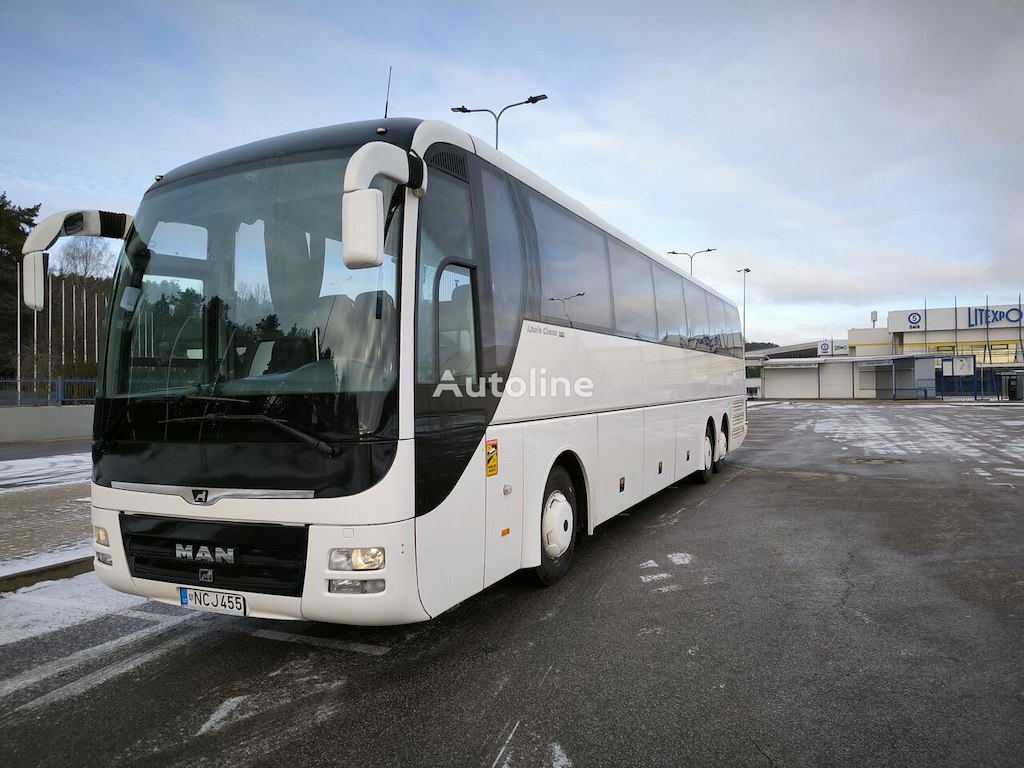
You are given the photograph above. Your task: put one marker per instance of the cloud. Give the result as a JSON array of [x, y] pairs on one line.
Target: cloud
[[855, 155]]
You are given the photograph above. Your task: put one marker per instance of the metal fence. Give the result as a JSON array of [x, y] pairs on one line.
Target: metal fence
[[60, 391]]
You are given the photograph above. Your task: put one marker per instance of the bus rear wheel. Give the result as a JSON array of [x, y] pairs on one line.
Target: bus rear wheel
[[557, 527], [708, 451], [723, 442]]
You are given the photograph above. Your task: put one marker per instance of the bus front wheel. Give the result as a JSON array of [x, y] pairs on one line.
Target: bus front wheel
[[557, 527]]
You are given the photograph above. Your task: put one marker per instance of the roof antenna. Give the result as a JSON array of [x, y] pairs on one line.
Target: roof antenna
[[387, 97]]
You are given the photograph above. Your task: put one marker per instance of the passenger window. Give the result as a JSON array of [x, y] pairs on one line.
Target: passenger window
[[697, 316], [719, 326], [633, 292], [671, 309], [574, 268], [456, 323], [506, 259], [446, 234]]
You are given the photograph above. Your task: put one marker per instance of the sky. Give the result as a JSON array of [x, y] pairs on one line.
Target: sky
[[854, 155]]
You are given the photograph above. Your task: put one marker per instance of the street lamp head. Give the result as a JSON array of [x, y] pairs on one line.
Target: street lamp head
[[535, 99], [745, 269], [462, 109]]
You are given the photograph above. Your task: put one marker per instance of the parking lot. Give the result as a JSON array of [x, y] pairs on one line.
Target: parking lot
[[849, 591]]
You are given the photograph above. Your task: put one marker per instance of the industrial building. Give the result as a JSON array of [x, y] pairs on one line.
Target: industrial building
[[974, 351]]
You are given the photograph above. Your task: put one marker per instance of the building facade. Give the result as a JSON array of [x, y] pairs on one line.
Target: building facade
[[920, 353], [992, 334]]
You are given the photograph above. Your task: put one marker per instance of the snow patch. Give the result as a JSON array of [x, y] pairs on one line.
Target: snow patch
[[681, 558], [655, 577], [220, 717], [558, 757], [53, 605], [26, 474]]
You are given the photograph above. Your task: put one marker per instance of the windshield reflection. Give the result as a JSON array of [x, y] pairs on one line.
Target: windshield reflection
[[233, 286]]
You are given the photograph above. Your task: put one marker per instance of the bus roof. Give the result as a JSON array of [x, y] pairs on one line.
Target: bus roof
[[401, 131]]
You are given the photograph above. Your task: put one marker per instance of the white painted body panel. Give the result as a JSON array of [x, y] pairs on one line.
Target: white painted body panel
[[503, 546], [625, 374], [450, 541]]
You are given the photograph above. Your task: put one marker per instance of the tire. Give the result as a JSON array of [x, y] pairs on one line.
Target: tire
[[558, 524], [708, 449], [723, 441]]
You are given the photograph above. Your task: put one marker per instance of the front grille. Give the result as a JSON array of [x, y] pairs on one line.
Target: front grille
[[268, 559]]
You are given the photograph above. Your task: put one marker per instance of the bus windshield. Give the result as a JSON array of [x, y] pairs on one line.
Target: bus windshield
[[232, 289]]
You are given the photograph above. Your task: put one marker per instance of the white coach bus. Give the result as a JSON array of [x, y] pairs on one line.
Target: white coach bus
[[357, 374]]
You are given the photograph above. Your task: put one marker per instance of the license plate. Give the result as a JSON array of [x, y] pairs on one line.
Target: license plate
[[215, 602]]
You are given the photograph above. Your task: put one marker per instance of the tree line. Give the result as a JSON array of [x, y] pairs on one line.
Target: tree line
[[63, 339]]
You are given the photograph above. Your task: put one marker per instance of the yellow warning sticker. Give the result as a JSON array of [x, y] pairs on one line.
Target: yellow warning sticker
[[492, 458]]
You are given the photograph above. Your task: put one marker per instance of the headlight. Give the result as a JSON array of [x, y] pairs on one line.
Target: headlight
[[358, 559], [101, 536]]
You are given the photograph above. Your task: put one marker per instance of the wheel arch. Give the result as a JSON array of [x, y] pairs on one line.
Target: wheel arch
[[571, 463]]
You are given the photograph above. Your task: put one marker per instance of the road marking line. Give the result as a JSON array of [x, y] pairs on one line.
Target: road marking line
[[108, 673], [506, 743], [42, 672]]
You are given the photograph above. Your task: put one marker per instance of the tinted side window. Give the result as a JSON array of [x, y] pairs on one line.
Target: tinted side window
[[697, 315], [633, 292], [719, 326], [735, 330], [670, 305], [446, 233], [506, 253], [575, 285]]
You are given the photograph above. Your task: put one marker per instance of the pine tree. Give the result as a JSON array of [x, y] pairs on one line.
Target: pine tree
[[15, 224]]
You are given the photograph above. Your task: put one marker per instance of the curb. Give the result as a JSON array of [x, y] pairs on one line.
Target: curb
[[64, 570]]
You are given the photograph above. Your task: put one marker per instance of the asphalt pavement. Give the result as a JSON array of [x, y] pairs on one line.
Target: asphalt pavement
[[850, 591]]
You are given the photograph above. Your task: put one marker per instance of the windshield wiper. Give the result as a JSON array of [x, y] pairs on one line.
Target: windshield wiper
[[106, 439], [184, 399], [307, 438]]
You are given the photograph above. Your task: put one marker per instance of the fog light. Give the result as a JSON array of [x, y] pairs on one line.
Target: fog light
[[355, 586], [101, 536], [104, 558], [359, 559]]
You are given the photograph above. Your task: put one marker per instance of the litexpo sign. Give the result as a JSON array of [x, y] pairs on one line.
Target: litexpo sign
[[979, 317]]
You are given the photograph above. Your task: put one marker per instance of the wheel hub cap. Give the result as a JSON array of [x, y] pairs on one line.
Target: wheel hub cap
[[556, 525]]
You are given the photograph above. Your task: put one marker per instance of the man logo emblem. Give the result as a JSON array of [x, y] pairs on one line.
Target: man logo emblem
[[206, 575], [200, 497]]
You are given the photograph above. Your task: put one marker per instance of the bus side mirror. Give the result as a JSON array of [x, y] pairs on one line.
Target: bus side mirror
[[362, 206], [362, 228], [34, 279]]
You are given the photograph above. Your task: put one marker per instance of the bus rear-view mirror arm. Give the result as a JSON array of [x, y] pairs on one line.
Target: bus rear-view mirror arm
[[362, 207], [54, 227]]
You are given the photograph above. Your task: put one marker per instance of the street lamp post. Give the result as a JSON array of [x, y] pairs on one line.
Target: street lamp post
[[745, 270], [497, 117], [691, 255]]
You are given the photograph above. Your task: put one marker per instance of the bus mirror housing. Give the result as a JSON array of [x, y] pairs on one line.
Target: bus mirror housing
[[33, 268], [362, 206], [362, 226], [56, 226]]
